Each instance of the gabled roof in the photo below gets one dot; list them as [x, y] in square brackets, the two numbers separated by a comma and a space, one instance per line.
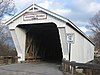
[67, 21]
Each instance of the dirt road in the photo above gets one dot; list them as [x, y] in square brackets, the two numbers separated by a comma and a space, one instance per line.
[31, 69]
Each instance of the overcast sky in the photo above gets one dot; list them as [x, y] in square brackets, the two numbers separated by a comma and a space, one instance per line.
[78, 11]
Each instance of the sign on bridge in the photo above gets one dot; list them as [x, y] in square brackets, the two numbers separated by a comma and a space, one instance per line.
[34, 16]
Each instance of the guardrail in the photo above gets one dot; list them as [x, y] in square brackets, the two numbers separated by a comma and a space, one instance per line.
[88, 68]
[8, 59]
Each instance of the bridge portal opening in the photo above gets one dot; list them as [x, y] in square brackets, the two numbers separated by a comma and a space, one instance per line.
[42, 42]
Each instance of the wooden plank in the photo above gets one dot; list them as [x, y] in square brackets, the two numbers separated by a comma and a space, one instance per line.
[83, 65]
[29, 46]
[37, 50]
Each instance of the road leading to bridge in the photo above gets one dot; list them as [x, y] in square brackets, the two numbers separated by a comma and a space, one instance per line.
[31, 69]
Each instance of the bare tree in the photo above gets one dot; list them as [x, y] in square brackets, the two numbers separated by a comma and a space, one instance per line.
[7, 7]
[95, 27]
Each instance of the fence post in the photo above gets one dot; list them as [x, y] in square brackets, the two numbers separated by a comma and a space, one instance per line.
[5, 60]
[65, 65]
[73, 67]
[16, 59]
[89, 72]
[1, 59]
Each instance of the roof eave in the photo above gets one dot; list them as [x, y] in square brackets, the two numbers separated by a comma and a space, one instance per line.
[18, 15]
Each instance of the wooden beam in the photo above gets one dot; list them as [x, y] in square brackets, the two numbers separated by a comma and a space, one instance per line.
[27, 49]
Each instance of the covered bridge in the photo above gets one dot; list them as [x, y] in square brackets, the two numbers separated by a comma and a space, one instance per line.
[41, 34]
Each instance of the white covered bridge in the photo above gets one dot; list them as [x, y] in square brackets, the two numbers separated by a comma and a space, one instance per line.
[41, 34]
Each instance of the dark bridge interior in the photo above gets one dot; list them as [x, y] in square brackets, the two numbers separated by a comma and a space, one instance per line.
[42, 42]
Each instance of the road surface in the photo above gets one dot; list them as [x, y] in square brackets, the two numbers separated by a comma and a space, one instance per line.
[31, 69]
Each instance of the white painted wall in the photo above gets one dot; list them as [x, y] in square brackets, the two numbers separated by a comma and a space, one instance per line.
[16, 43]
[21, 36]
[62, 33]
[88, 51]
[82, 50]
